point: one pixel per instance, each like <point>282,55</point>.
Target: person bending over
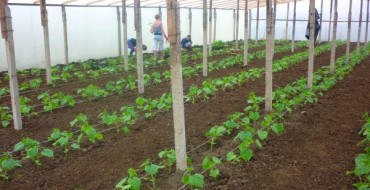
<point>186,42</point>
<point>132,46</point>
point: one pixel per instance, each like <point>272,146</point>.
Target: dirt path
<point>317,148</point>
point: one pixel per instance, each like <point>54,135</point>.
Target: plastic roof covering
<point>218,4</point>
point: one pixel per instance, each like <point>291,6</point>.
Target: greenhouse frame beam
<point>139,47</point>
<point>334,40</point>
<point>269,56</point>
<point>215,25</point>
<point>294,24</point>
<point>125,45</point>
<point>174,32</point>
<point>320,32</point>
<point>119,33</point>
<point>237,26</point>
<point>312,45</point>
<point>287,22</point>
<point>190,22</point>
<point>234,24</point>
<point>258,21</point>
<point>250,24</point>
<point>246,34</point>
<point>274,28</point>
<point>45,26</point>
<point>348,49</point>
<point>7,35</point>
<point>65,35</point>
<point>210,28</point>
<point>330,19</point>
<point>367,23</point>
<point>359,28</point>
<point>205,56</point>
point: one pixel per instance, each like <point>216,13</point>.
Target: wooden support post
<point>45,25</point>
<point>331,14</point>
<point>190,22</point>
<point>205,56</point>
<point>287,22</point>
<point>237,25</point>
<point>269,56</point>
<point>258,20</point>
<point>215,25</point>
<point>160,11</point>
<point>274,29</point>
<point>65,35</point>
<point>173,20</point>
<point>294,24</point>
<point>367,23</point>
<point>246,35</point>
<point>334,40</point>
<point>348,49</point>
<point>359,28</point>
<point>7,35</point>
<point>234,24</point>
<point>124,24</point>
<point>250,24</point>
<point>312,44</point>
<point>119,32</point>
<point>139,47</point>
<point>210,28</point>
<point>321,9</point>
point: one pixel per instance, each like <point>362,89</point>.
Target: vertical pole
<point>45,25</point>
<point>205,66</point>
<point>348,49</point>
<point>119,32</point>
<point>269,56</point>
<point>287,22</point>
<point>65,35</point>
<point>367,23</point>
<point>210,27</point>
<point>322,4</point>
<point>274,29</point>
<point>258,20</point>
<point>312,43</point>
<point>250,24</point>
<point>160,11</point>
<point>331,13</point>
<point>190,22</point>
<point>334,40</point>
<point>294,24</point>
<point>139,47</point>
<point>246,35</point>
<point>125,45</point>
<point>7,34</point>
<point>173,20</point>
<point>234,21</point>
<point>359,28</point>
<point>215,25</point>
<point>237,25</point>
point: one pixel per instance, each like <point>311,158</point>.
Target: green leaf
<point>262,135</point>
<point>135,183</point>
<point>10,164</point>
<point>214,173</point>
<point>33,152</point>
<point>75,146</point>
<point>196,180</point>
<point>278,128</point>
<point>230,156</point>
<point>246,154</point>
<point>254,116</point>
<point>47,153</point>
<point>152,169</point>
<point>19,146</point>
<point>258,143</point>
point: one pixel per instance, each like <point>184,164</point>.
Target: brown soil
<point>102,165</point>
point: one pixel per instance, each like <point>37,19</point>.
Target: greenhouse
<point>184,94</point>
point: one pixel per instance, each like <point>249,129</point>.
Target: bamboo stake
<point>45,25</point>
<point>7,34</point>
<point>237,25</point>
<point>210,28</point>
<point>294,24</point>
<point>312,44</point>
<point>331,13</point>
<point>334,40</point>
<point>246,35</point>
<point>258,20</point>
<point>205,65</point>
<point>287,23</point>
<point>190,22</point>
<point>269,56</point>
<point>119,32</point>
<point>173,20</point>
<point>215,25</point>
<point>322,4</point>
<point>250,24</point>
<point>234,24</point>
<point>139,47</point>
<point>359,28</point>
<point>124,23</point>
<point>65,35</point>
<point>348,49</point>
<point>367,23</point>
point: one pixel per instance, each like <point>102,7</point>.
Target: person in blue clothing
<point>132,45</point>
<point>317,26</point>
<point>186,42</point>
